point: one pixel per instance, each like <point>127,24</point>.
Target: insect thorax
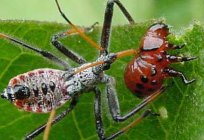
<point>84,80</point>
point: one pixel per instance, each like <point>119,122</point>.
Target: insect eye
<point>21,92</point>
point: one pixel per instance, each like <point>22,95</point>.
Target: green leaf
<point>181,106</point>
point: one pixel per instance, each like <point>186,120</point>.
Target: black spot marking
<point>153,71</point>
<point>52,86</point>
<point>40,103</point>
<point>44,88</point>
<point>35,90</point>
<point>138,93</point>
<point>151,89</point>
<point>139,86</point>
<point>154,82</point>
<point>21,92</point>
<point>49,102</point>
<point>107,67</point>
<point>29,104</point>
<point>144,78</point>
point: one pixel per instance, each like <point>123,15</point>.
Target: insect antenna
<point>85,37</point>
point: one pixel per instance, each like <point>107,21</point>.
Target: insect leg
<point>40,129</point>
<point>172,46</point>
<point>108,20</point>
<point>114,105</point>
<point>45,54</point>
<point>99,123</point>
<point>173,58</point>
<point>97,112</point>
<point>85,37</point>
<point>172,73</point>
<point>66,51</point>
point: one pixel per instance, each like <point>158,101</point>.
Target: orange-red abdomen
<point>144,74</point>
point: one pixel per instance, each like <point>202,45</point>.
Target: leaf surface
<point>182,106</point>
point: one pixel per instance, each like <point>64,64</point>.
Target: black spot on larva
<point>44,88</point>
<point>154,82</point>
<point>151,89</point>
<point>153,71</point>
<point>138,93</point>
<point>52,86</point>
<point>139,86</point>
<point>35,90</point>
<point>144,78</point>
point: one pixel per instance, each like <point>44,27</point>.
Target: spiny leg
<point>85,37</point>
<point>99,122</point>
<point>173,58</point>
<point>64,49</point>
<point>107,23</point>
<point>114,105</point>
<point>172,73</point>
<point>172,46</point>
<point>97,112</point>
<point>59,117</point>
<point>45,54</point>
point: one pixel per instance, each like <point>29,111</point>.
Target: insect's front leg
<point>108,20</point>
<point>45,54</point>
<point>59,117</point>
<point>70,54</point>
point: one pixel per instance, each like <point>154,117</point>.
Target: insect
<point>43,90</point>
<point>145,73</point>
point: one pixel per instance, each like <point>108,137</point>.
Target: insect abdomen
<point>142,78</point>
<point>45,87</point>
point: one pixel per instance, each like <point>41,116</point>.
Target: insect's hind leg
<point>70,54</point>
<point>45,54</point>
<point>108,20</point>
<point>99,122</point>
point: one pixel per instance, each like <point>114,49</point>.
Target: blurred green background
<point>178,13</point>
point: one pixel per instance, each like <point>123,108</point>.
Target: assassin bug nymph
<point>43,90</point>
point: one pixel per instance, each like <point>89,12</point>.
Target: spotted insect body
<point>145,73</point>
<point>43,90</point>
